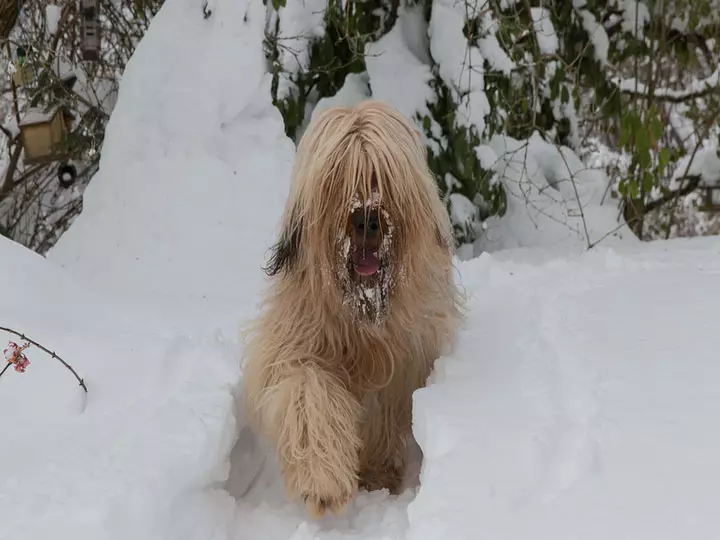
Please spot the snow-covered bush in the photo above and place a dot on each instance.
(471, 71)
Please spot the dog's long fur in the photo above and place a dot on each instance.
(327, 379)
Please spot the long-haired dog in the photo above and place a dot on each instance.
(362, 303)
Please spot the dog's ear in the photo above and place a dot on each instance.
(286, 250)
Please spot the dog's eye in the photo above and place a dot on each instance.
(373, 225)
(366, 224)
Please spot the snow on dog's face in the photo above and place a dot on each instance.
(366, 257)
(367, 239)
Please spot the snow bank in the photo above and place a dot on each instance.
(195, 166)
(126, 459)
(579, 401)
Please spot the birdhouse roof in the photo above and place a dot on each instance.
(36, 115)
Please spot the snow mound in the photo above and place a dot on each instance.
(195, 164)
(579, 401)
(129, 458)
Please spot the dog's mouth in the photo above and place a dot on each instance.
(365, 264)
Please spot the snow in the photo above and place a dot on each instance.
(399, 73)
(200, 146)
(11, 124)
(554, 199)
(544, 30)
(53, 13)
(635, 15)
(705, 163)
(460, 64)
(578, 402)
(490, 47)
(462, 209)
(598, 36)
(35, 115)
(299, 25)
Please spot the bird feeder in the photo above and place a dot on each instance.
(90, 29)
(42, 133)
(23, 75)
(66, 175)
(23, 71)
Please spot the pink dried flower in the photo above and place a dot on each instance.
(22, 364)
(14, 355)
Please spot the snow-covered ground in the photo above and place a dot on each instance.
(578, 404)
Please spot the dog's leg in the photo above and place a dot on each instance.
(386, 433)
(315, 423)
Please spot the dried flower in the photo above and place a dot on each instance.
(14, 355)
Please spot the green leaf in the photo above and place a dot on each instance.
(626, 130)
(565, 96)
(648, 181)
(656, 128)
(663, 159)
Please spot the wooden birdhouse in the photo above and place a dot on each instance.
(711, 199)
(90, 23)
(42, 133)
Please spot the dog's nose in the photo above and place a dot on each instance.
(367, 225)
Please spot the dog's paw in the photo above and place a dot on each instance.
(322, 493)
(318, 504)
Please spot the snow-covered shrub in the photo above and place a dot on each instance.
(313, 45)
(574, 73)
(655, 102)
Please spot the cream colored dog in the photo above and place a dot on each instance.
(361, 305)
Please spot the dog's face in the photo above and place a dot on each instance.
(368, 259)
(368, 242)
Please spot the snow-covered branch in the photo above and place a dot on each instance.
(694, 90)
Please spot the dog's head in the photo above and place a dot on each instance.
(363, 213)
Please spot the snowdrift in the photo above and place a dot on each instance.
(577, 404)
(195, 165)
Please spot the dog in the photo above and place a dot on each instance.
(361, 303)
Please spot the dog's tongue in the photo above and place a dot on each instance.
(366, 265)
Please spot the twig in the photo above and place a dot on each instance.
(5, 369)
(13, 87)
(48, 351)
